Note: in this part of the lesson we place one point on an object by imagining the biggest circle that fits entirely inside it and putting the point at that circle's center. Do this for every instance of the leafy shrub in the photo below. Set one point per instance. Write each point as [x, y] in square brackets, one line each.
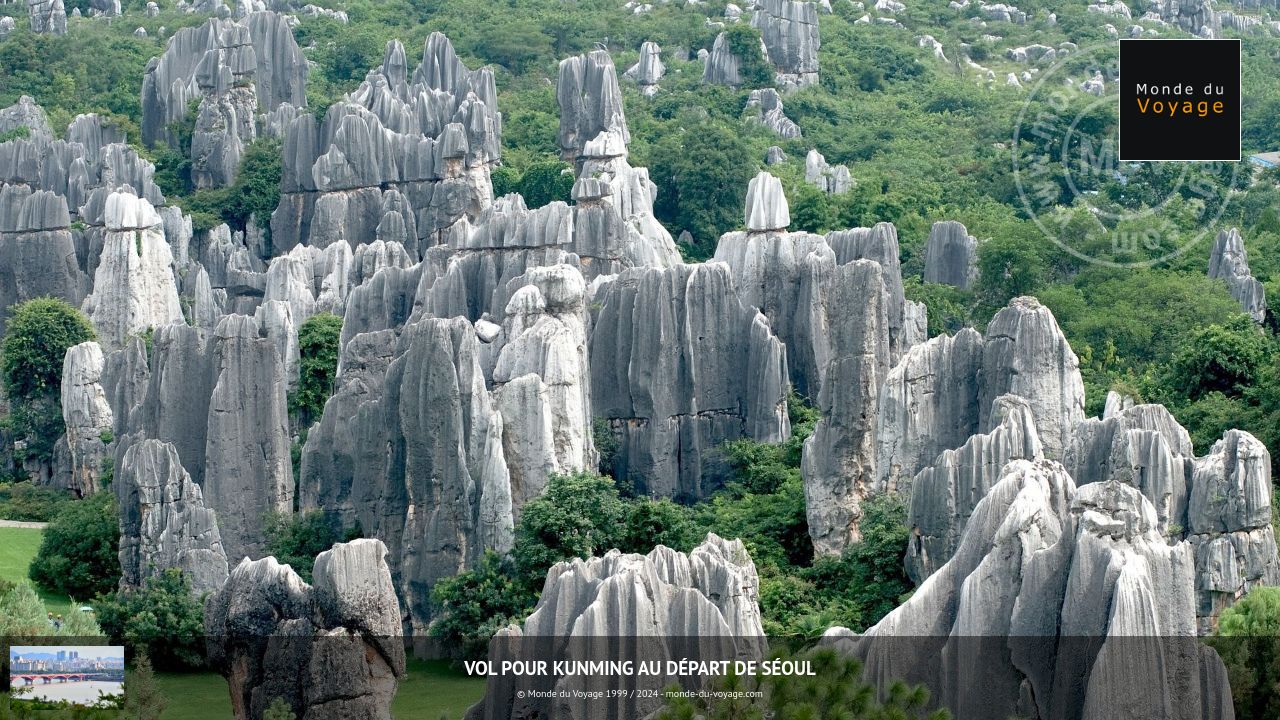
[1248, 640]
[577, 516]
[22, 614]
[160, 620]
[319, 341]
[38, 334]
[78, 554]
[475, 604]
[296, 540]
[753, 67]
[28, 502]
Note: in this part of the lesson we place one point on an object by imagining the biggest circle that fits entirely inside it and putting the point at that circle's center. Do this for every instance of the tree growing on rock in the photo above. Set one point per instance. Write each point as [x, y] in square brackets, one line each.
[35, 342]
[319, 340]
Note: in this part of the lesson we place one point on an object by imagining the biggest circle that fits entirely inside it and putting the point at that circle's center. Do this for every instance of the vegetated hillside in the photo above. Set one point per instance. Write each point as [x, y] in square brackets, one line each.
[918, 106]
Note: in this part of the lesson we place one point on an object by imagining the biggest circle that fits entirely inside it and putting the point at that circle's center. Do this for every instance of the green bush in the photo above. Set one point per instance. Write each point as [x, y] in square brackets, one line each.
[160, 620]
[296, 540]
[745, 44]
[79, 553]
[319, 341]
[38, 334]
[578, 515]
[1248, 640]
[475, 604]
[22, 614]
[28, 502]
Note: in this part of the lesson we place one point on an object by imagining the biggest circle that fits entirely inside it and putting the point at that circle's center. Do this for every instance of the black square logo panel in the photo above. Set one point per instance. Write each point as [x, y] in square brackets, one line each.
[1179, 100]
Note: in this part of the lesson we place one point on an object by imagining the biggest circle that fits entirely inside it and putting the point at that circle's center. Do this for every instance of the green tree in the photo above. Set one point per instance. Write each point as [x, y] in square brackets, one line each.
[319, 341]
[296, 540]
[78, 554]
[578, 515]
[279, 710]
[1223, 358]
[144, 700]
[546, 182]
[1248, 641]
[746, 45]
[161, 620]
[475, 604]
[702, 174]
[22, 614]
[649, 523]
[36, 340]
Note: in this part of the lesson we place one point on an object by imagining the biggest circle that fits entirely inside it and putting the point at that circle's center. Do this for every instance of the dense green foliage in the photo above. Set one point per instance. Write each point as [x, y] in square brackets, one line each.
[318, 345]
[296, 539]
[836, 691]
[1248, 641]
[28, 502]
[79, 552]
[254, 194]
[37, 336]
[22, 614]
[160, 620]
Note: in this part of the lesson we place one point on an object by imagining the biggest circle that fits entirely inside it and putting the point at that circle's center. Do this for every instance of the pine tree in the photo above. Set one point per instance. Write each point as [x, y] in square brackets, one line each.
[143, 699]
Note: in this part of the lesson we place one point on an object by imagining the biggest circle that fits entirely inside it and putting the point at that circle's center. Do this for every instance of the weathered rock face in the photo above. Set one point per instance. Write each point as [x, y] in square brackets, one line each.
[722, 67]
[831, 179]
[1054, 604]
[38, 249]
[709, 597]
[411, 447]
[769, 113]
[838, 463]
[1230, 262]
[679, 365]
[164, 522]
[134, 286]
[541, 380]
[943, 390]
[944, 495]
[766, 205]
[87, 416]
[421, 148]
[1229, 524]
[789, 29]
[648, 71]
[331, 650]
[236, 68]
[26, 113]
[951, 255]
[47, 16]
[612, 199]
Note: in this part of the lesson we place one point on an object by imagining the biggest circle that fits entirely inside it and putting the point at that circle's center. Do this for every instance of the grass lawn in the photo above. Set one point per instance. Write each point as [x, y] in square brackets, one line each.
[431, 691]
[18, 548]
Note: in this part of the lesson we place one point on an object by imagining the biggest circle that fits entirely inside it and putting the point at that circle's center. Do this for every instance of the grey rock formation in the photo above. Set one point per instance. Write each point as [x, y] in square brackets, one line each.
[1116, 403]
[219, 398]
[38, 249]
[134, 286]
[541, 381]
[7, 26]
[1229, 524]
[1055, 604]
[25, 113]
[87, 416]
[211, 60]
[648, 70]
[590, 105]
[411, 448]
[247, 467]
[832, 179]
[722, 67]
[421, 147]
[942, 391]
[1230, 262]
[838, 463]
[766, 204]
[944, 495]
[679, 365]
[789, 29]
[703, 604]
[164, 522]
[775, 156]
[47, 16]
[769, 112]
[951, 255]
[331, 650]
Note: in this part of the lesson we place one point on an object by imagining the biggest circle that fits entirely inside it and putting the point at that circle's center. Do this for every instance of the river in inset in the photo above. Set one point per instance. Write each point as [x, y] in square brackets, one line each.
[83, 693]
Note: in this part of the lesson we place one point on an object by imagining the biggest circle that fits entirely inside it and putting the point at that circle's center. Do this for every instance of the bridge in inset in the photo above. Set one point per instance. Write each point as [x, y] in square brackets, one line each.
[48, 679]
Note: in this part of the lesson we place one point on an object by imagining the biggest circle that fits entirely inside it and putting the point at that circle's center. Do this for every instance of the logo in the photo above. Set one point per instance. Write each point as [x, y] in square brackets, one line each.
[1070, 177]
[1179, 100]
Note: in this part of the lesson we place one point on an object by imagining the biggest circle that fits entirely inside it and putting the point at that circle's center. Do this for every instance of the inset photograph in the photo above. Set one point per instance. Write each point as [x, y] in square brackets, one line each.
[88, 675]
